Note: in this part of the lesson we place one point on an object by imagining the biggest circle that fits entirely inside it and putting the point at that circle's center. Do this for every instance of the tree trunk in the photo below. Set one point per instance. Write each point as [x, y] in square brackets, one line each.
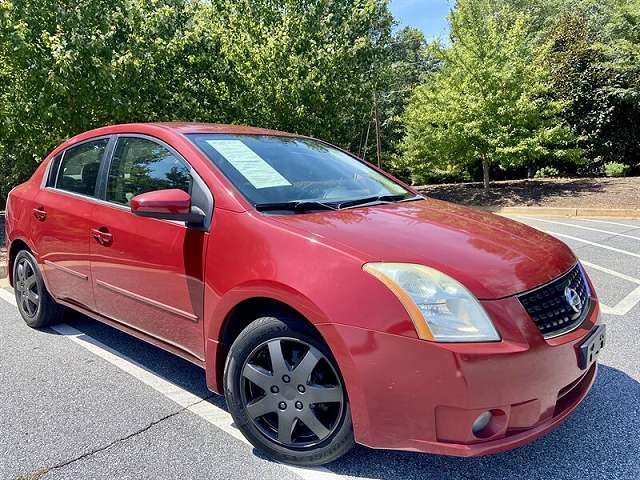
[485, 173]
[377, 120]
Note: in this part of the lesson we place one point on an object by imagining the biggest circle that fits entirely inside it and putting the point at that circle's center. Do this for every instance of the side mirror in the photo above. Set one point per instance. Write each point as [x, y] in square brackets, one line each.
[171, 204]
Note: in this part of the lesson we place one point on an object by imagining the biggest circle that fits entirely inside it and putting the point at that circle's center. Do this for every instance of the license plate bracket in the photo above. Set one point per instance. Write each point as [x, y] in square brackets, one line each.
[589, 350]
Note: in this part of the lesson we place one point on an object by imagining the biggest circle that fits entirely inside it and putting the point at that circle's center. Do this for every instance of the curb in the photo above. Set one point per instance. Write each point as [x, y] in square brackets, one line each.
[566, 212]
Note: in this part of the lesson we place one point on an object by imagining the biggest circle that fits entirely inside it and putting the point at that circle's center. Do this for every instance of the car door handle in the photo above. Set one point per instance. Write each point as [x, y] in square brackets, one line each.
[102, 236]
[40, 214]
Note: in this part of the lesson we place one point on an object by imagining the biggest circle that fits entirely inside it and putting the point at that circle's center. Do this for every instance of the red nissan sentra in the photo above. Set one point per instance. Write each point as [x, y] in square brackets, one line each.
[329, 302]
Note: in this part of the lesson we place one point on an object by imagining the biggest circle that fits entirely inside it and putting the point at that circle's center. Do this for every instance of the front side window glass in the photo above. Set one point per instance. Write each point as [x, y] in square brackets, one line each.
[140, 166]
[270, 169]
[78, 172]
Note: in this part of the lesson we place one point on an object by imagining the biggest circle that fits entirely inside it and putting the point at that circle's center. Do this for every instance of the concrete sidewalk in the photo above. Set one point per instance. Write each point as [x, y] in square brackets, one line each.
[631, 213]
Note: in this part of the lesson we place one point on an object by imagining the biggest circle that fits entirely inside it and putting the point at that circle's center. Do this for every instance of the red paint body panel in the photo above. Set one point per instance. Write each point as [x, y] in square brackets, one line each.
[422, 396]
[165, 202]
[63, 241]
[150, 276]
[176, 287]
[492, 256]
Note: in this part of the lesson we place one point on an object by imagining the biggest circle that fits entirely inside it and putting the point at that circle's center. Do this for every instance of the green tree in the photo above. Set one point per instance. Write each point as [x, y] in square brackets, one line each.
[76, 65]
[490, 102]
[594, 56]
[407, 64]
[69, 66]
[305, 67]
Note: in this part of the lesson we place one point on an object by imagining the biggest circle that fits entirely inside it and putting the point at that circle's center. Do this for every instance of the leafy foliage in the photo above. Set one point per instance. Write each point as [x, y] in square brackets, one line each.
[520, 84]
[615, 169]
[596, 71]
[66, 67]
[547, 172]
[490, 102]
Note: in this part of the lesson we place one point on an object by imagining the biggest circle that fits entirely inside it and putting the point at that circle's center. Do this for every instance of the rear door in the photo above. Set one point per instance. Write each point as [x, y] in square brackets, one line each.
[63, 212]
[148, 274]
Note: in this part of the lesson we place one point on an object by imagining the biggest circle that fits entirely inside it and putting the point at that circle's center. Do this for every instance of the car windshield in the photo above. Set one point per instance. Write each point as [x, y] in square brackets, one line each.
[285, 173]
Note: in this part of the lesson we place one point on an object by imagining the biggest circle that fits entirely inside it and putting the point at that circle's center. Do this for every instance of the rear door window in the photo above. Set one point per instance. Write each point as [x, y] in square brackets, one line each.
[78, 172]
[140, 165]
[53, 170]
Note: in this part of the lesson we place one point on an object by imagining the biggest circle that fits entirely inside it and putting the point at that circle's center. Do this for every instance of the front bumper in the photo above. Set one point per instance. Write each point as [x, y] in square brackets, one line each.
[409, 394]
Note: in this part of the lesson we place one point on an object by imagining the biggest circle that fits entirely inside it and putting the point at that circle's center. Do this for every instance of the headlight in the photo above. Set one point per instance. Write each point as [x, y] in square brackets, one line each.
[440, 307]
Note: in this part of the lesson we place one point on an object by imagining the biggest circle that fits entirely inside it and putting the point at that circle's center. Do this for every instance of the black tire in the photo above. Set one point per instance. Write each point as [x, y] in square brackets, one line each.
[319, 444]
[37, 307]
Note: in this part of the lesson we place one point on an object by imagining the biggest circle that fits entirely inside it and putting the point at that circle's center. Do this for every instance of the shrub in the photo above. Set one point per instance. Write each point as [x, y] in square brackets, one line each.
[547, 172]
[615, 169]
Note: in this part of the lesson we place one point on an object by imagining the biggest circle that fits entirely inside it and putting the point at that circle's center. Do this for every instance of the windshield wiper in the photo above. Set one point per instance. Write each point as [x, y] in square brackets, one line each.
[377, 200]
[309, 205]
[295, 206]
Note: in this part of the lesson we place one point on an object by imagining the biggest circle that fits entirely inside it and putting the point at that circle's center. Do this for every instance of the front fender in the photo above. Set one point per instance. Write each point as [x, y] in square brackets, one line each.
[308, 309]
[219, 308]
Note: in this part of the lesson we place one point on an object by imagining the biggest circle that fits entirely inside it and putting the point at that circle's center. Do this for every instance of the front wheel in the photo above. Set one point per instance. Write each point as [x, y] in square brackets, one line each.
[286, 395]
[36, 306]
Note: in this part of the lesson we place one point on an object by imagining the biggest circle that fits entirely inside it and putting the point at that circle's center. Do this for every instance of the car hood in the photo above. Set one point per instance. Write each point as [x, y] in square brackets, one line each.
[492, 256]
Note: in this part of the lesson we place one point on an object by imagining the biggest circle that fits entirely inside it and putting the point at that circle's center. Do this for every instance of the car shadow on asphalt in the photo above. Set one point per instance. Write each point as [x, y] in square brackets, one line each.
[600, 439]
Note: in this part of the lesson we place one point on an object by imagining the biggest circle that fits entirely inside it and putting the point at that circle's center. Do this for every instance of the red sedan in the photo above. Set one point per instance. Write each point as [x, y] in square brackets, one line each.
[329, 302]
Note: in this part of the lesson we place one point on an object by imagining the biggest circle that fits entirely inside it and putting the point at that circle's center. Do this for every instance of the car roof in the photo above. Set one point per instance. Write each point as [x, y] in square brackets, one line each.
[192, 127]
[183, 128]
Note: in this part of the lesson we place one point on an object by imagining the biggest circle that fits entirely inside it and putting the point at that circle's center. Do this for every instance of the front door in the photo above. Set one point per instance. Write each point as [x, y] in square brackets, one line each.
[148, 273]
[63, 219]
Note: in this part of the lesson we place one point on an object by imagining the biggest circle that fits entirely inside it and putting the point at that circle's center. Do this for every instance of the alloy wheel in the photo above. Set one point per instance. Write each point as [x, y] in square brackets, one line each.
[26, 287]
[292, 392]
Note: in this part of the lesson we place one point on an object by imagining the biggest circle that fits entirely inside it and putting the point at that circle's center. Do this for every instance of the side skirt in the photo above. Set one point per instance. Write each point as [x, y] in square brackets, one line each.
[136, 333]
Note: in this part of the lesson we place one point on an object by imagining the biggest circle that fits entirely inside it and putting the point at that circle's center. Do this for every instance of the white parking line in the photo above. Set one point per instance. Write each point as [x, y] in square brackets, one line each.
[572, 225]
[595, 244]
[625, 305]
[637, 227]
[214, 415]
[610, 272]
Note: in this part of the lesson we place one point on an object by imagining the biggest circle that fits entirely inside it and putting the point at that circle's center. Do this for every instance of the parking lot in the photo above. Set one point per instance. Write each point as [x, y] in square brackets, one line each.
[84, 401]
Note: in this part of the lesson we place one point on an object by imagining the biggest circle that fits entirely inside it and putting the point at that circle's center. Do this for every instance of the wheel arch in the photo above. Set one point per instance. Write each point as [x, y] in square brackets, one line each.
[252, 307]
[16, 246]
[238, 317]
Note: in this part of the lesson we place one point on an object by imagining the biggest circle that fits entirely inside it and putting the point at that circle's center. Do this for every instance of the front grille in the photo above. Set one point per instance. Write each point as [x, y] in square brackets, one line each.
[550, 305]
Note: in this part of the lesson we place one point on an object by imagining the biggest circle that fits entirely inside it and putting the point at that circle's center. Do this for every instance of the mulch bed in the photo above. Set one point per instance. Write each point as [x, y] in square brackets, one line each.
[553, 192]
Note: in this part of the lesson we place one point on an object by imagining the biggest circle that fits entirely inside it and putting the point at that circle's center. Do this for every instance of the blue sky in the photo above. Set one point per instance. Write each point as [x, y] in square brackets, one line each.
[430, 16]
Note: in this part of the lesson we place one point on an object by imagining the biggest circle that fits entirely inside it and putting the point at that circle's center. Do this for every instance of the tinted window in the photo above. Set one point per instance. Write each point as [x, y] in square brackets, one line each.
[270, 169]
[80, 165]
[139, 166]
[53, 170]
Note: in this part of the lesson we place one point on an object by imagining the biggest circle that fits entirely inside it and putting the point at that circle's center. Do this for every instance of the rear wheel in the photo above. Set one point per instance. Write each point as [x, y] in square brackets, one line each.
[286, 395]
[35, 304]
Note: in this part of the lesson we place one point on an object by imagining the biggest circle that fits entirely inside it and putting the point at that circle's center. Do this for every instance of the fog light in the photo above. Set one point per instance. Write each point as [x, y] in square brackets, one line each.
[481, 422]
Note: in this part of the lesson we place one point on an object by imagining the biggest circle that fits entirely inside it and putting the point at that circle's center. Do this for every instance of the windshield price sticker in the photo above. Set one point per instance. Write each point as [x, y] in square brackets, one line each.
[250, 165]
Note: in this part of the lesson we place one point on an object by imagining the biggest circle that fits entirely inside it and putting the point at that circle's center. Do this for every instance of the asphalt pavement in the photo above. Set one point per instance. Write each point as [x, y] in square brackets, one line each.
[85, 401]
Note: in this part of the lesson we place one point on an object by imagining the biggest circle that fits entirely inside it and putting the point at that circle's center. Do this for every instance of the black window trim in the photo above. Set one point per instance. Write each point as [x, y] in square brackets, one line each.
[49, 181]
[102, 159]
[202, 195]
[45, 178]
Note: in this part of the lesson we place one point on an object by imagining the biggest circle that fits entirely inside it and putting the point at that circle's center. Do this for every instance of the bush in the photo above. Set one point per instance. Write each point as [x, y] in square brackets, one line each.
[615, 169]
[547, 172]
